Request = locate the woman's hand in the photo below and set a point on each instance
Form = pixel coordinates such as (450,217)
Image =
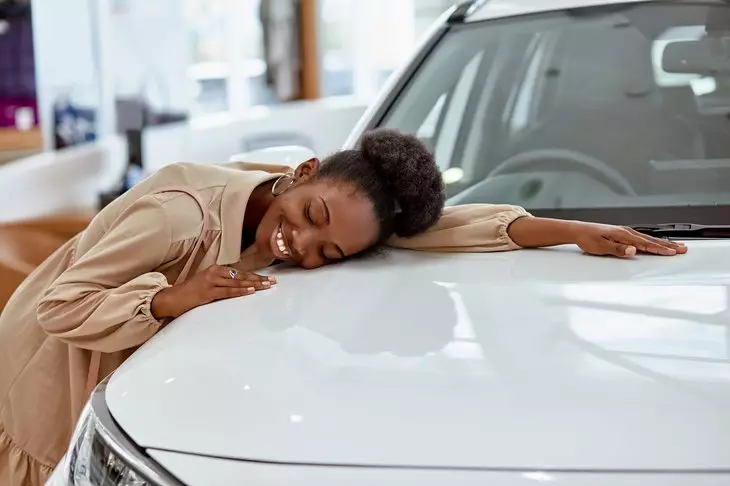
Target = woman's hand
(213,283)
(592,238)
(601,239)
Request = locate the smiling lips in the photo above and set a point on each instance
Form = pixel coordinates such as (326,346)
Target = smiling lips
(279,245)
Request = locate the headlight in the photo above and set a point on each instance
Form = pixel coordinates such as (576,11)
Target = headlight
(101,455)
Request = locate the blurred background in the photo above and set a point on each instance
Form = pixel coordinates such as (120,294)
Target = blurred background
(80,70)
(95,94)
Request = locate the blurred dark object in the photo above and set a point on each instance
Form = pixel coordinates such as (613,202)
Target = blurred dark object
(17,64)
(133,116)
(72,124)
(709,56)
(280,22)
(136,114)
(718,20)
(26,244)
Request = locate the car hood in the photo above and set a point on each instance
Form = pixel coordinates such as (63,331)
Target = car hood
(529,359)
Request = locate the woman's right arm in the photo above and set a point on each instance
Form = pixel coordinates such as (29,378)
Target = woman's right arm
(102,301)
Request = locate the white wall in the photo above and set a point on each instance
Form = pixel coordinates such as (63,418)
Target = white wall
(150,49)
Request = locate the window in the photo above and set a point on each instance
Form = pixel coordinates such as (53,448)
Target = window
(580,109)
(363,42)
(227,70)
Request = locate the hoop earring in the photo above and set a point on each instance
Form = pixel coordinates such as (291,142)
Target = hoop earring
(282,184)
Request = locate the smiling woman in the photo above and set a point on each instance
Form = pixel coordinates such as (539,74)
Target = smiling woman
(354,200)
(205,229)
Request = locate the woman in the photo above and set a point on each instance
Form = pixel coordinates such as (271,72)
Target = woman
(191,234)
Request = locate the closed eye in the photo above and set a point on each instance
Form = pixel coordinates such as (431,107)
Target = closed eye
(308,214)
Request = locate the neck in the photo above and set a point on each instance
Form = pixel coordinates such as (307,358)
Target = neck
(259,202)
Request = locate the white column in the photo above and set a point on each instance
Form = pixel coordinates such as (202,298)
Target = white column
(361,26)
(384,35)
(100,19)
(238,89)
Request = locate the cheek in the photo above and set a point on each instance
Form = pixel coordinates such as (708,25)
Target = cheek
(288,204)
(311,264)
(269,221)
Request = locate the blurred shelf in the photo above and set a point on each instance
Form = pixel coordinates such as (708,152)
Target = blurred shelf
(12,140)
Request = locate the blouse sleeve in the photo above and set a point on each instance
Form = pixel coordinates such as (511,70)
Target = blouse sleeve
(470,228)
(102,301)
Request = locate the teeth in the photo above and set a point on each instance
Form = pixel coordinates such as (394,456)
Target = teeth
(280,243)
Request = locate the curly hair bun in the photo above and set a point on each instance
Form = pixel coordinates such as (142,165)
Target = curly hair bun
(410,172)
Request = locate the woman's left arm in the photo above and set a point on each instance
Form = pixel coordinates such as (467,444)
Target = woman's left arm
(479,228)
(592,238)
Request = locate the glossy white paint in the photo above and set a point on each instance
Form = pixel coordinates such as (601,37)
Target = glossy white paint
(202,471)
(495,9)
(530,360)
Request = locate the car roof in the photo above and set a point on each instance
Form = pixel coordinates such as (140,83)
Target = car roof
(494,9)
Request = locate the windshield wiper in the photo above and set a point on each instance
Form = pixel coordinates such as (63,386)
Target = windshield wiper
(683,230)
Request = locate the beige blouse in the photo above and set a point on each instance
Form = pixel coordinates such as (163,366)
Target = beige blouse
(94,294)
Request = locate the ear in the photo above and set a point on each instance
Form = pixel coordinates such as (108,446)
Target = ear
(306,170)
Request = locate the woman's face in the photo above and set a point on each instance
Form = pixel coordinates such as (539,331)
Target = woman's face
(316,222)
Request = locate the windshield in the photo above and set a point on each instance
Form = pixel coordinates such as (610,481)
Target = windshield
(611,109)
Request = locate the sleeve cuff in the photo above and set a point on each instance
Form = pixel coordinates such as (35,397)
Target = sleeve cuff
(505,220)
(160,283)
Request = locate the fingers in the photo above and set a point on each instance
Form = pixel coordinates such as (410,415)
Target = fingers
(231,273)
(658,245)
(220,293)
(626,243)
(648,244)
(244,283)
(620,250)
(230,283)
(230,277)
(253,277)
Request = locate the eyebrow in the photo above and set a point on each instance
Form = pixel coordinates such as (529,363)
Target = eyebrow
(327,219)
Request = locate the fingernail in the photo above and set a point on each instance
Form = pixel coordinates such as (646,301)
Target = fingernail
(272,279)
(267,284)
(630,250)
(251,290)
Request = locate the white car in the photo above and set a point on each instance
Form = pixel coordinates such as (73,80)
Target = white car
(514,369)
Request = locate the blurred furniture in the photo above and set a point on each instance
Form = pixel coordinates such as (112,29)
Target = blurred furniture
(17,140)
(291,155)
(25,244)
(15,144)
(264,140)
(63,181)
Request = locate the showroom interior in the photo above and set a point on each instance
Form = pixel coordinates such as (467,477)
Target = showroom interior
(364,242)
(97,94)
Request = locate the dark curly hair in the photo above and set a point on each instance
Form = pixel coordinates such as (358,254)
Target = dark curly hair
(398,174)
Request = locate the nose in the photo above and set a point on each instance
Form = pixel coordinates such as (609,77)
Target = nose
(302,240)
